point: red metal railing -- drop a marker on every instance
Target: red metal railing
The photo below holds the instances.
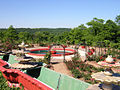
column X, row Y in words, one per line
column 16, row 76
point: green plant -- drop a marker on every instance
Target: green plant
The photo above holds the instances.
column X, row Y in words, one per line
column 47, row 58
column 70, row 65
column 95, row 58
column 76, row 73
column 100, row 69
column 81, row 70
column 75, row 58
column 20, row 54
column 4, row 85
column 87, row 69
column 87, row 76
column 118, row 57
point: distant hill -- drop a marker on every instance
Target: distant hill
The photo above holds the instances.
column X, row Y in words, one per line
column 33, row 30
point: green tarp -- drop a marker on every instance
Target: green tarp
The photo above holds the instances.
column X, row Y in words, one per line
column 69, row 83
column 1, row 57
column 12, row 59
column 49, row 77
column 61, row 82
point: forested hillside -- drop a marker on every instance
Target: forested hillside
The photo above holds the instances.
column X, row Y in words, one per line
column 33, row 30
column 97, row 30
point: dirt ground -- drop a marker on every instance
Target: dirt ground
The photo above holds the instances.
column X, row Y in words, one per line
column 61, row 68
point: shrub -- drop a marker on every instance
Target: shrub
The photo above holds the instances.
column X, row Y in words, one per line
column 81, row 70
column 4, row 85
column 95, row 58
column 47, row 58
column 70, row 65
column 76, row 73
column 118, row 57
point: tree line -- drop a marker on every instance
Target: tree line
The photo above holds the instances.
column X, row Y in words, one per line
column 97, row 30
column 33, row 30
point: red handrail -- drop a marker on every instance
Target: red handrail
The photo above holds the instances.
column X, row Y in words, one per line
column 16, row 76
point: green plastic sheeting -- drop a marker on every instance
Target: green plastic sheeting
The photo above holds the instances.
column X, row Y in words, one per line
column 12, row 59
column 49, row 77
column 61, row 82
column 44, row 64
column 1, row 57
column 69, row 83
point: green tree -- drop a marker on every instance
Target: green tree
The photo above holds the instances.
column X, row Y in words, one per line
column 117, row 19
column 110, row 30
column 38, row 37
column 25, row 36
column 10, row 35
column 95, row 26
column 76, row 34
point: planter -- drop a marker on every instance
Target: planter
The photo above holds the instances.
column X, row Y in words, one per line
column 114, row 58
column 92, row 50
column 64, row 46
column 90, row 53
column 11, row 85
column 109, row 59
column 10, row 75
column 83, row 47
column 49, row 46
column 53, row 52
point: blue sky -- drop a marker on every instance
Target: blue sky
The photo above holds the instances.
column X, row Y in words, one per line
column 55, row 13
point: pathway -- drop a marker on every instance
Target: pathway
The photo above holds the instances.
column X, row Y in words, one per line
column 62, row 68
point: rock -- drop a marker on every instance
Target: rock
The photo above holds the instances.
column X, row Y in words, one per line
column 94, row 87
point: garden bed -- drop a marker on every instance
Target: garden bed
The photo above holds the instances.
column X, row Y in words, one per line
column 82, row 71
column 7, row 86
